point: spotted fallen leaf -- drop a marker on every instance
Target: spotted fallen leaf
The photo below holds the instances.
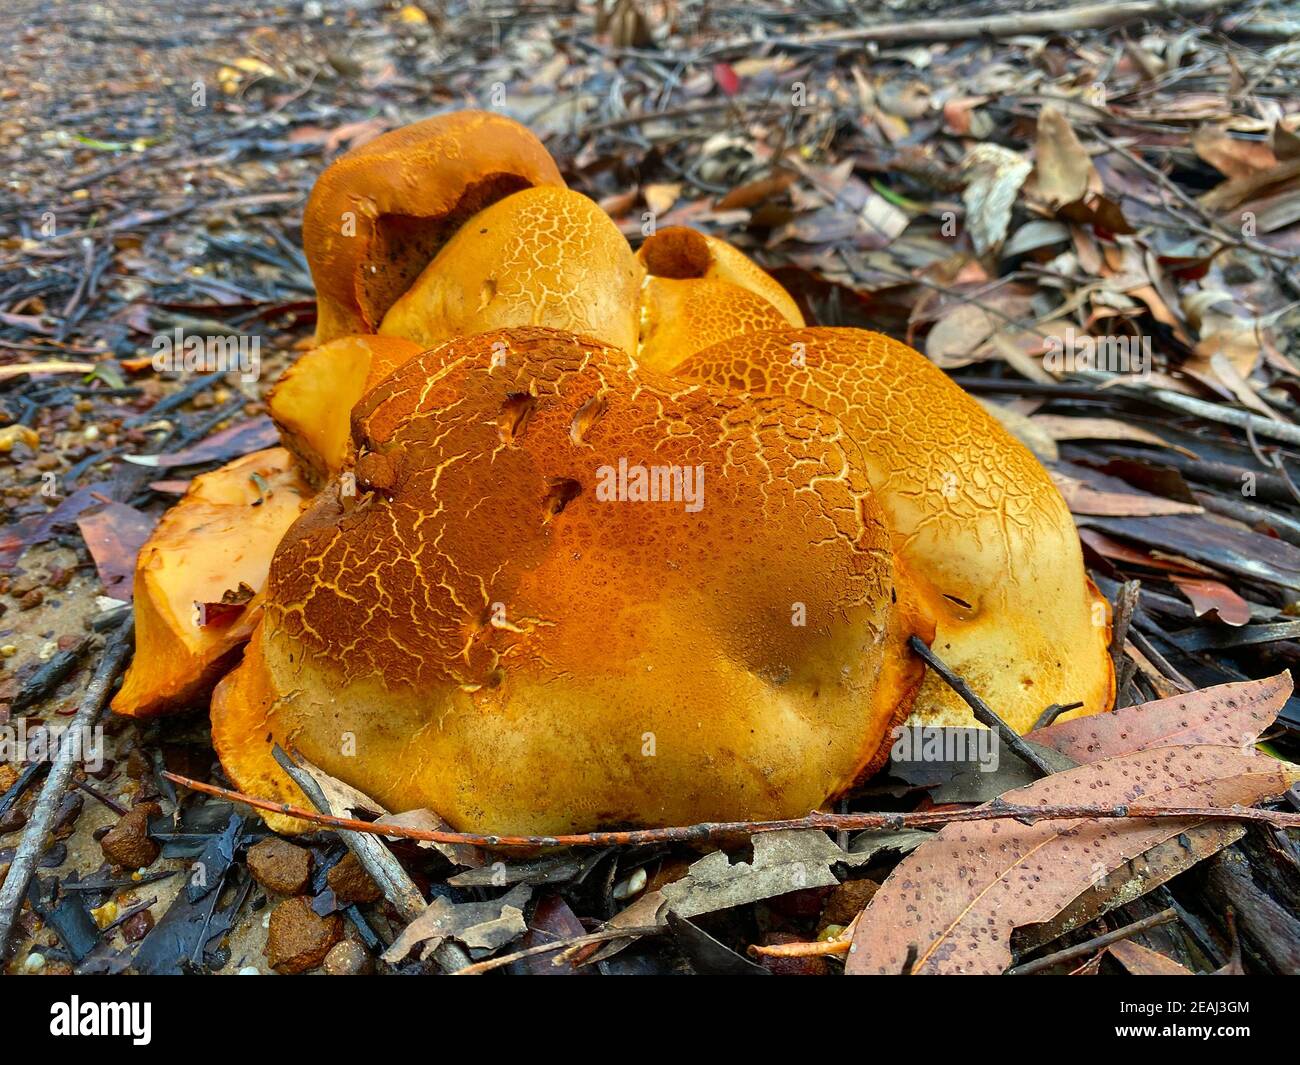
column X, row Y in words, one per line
column 1134, row 878
column 1234, row 715
column 955, row 900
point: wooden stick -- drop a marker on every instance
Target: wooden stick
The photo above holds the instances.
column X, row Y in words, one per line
column 1080, row 949
column 983, row 712
column 34, row 835
column 1084, row 17
column 894, row 822
column 377, row 860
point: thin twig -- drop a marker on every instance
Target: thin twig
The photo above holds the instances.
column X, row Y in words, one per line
column 1079, row 950
column 603, row 936
column 895, row 822
column 983, row 712
column 47, row 802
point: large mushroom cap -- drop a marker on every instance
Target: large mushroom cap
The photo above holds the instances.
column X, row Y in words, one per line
column 379, row 213
column 544, row 256
column 975, row 518
column 499, row 627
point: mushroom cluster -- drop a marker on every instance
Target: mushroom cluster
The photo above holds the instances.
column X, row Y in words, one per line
column 565, row 537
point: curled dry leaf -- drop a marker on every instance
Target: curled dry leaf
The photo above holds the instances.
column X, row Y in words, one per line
column 1233, row 715
column 957, row 899
column 993, row 178
column 783, row 862
column 1208, row 596
column 481, row 926
column 1064, row 170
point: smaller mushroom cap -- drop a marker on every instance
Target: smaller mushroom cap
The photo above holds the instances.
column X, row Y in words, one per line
column 681, row 317
column 544, row 256
column 379, row 214
column 681, row 253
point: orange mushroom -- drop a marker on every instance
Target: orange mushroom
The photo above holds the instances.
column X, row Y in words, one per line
column 975, row 518
column 573, row 594
column 379, row 214
column 627, row 546
column 312, row 401
column 699, row 291
column 678, row 252
column 545, row 256
column 213, row 545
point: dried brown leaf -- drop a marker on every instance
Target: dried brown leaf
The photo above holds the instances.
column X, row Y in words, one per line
column 1143, row 961
column 955, row 900
column 1233, row 715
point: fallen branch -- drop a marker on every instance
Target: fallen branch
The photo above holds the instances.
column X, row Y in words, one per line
column 894, row 822
column 47, row 802
column 1084, row 17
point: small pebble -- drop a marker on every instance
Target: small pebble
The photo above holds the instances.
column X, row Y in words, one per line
column 348, row 958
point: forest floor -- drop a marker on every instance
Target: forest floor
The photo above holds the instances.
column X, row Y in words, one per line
column 1012, row 196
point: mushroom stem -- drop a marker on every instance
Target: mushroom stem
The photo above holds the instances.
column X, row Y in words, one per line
column 983, row 712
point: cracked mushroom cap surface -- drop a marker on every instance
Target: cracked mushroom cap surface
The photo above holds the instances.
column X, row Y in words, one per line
column 312, row 401
column 975, row 517
column 544, row 256
column 499, row 627
column 381, row 212
column 682, row 317
column 679, row 253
